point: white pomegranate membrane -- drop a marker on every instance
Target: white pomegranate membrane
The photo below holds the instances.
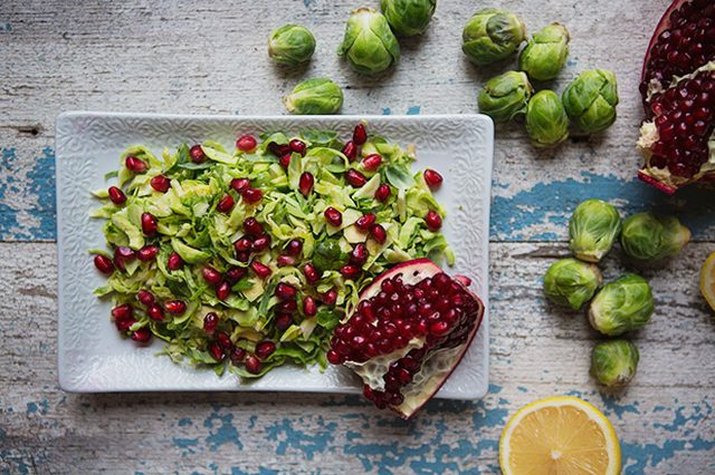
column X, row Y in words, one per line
column 407, row 334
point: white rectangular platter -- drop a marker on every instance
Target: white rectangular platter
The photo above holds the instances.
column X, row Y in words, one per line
column 93, row 357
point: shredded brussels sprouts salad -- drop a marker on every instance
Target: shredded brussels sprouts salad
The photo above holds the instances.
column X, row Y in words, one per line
column 246, row 259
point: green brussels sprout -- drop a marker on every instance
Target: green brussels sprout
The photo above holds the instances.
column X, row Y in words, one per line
column 621, row 306
column 369, row 45
column 593, row 229
column 571, row 283
column 647, row 237
column 492, row 35
column 291, row 45
column 408, row 17
column 315, row 96
column 545, row 53
column 505, row 96
column 614, row 362
column 590, row 100
column 546, row 120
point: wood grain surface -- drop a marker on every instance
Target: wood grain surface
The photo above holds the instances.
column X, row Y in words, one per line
column 210, row 57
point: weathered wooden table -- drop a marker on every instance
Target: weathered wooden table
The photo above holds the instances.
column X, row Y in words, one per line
column 210, row 57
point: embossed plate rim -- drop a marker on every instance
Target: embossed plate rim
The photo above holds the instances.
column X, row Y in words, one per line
column 119, row 366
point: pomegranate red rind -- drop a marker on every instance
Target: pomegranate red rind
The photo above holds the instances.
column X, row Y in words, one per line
column 408, row 333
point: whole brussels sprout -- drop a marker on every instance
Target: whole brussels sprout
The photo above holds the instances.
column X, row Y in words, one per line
column 614, row 362
column 492, row 35
column 291, row 45
column 546, row 120
column 408, row 17
column 505, row 96
column 590, row 100
column 647, row 237
column 545, row 53
column 315, row 96
column 593, row 229
column 571, row 283
column 369, row 45
column 621, row 306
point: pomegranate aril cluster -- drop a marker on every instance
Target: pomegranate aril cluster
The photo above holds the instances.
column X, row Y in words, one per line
column 435, row 310
column 686, row 45
column 684, row 119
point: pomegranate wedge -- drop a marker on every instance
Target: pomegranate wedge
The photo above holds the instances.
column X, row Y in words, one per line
column 410, row 330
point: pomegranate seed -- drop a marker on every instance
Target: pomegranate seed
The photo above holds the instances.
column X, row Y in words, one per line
column 211, row 275
column 432, row 178
column 122, row 312
column 155, row 312
column 288, row 306
column 382, row 193
column 360, row 134
column 433, row 220
column 216, row 351
column 311, row 273
column 365, row 222
column 135, row 165
column 225, row 205
column 197, row 154
column 243, row 245
column 160, row 183
column 261, row 243
column 372, row 162
column 285, row 291
column 330, row 297
column 294, row 247
column 224, row 340
column 278, row 150
column 246, row 143
column 285, row 160
column 116, row 195
column 253, row 364
column 335, row 358
column 297, row 146
column 123, row 254
column 243, row 256
column 125, row 324
column 309, row 306
column 175, row 307
column 145, row 297
column 439, row 328
column 141, row 335
column 305, row 184
column 378, row 233
column 234, row 274
column 237, row 355
column 252, row 227
column 333, row 216
column 350, row 150
column 149, row 224
column 261, row 270
column 240, row 184
column 359, row 254
column 147, row 253
column 223, row 291
column 175, row 262
column 103, row 264
column 355, row 178
column 350, row 271
column 252, row 195
column 265, row 348
column 285, row 261
column 283, row 321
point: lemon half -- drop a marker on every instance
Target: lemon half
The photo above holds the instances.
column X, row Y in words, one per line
column 560, row 435
column 707, row 280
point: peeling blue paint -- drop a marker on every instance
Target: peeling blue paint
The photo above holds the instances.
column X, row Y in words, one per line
column 41, row 407
column 612, row 405
column 221, row 431
column 681, row 421
column 308, row 443
column 522, row 389
column 261, row 471
column 413, row 110
column 5, row 27
column 42, row 186
column 386, row 111
column 639, row 456
column 185, row 421
column 515, row 217
column 186, row 444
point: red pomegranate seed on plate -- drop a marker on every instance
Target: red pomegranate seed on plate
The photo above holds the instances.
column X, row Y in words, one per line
column 149, row 224
column 197, row 154
column 135, row 164
column 246, row 143
column 372, row 162
column 360, row 134
column 116, row 195
column 382, row 193
column 174, row 262
column 160, row 183
column 433, row 220
column 433, row 178
column 103, row 264
column 142, row 335
column 305, row 184
column 240, row 184
column 225, row 204
column 147, row 253
column 333, row 216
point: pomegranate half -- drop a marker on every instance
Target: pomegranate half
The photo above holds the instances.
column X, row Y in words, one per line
column 678, row 89
column 407, row 334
